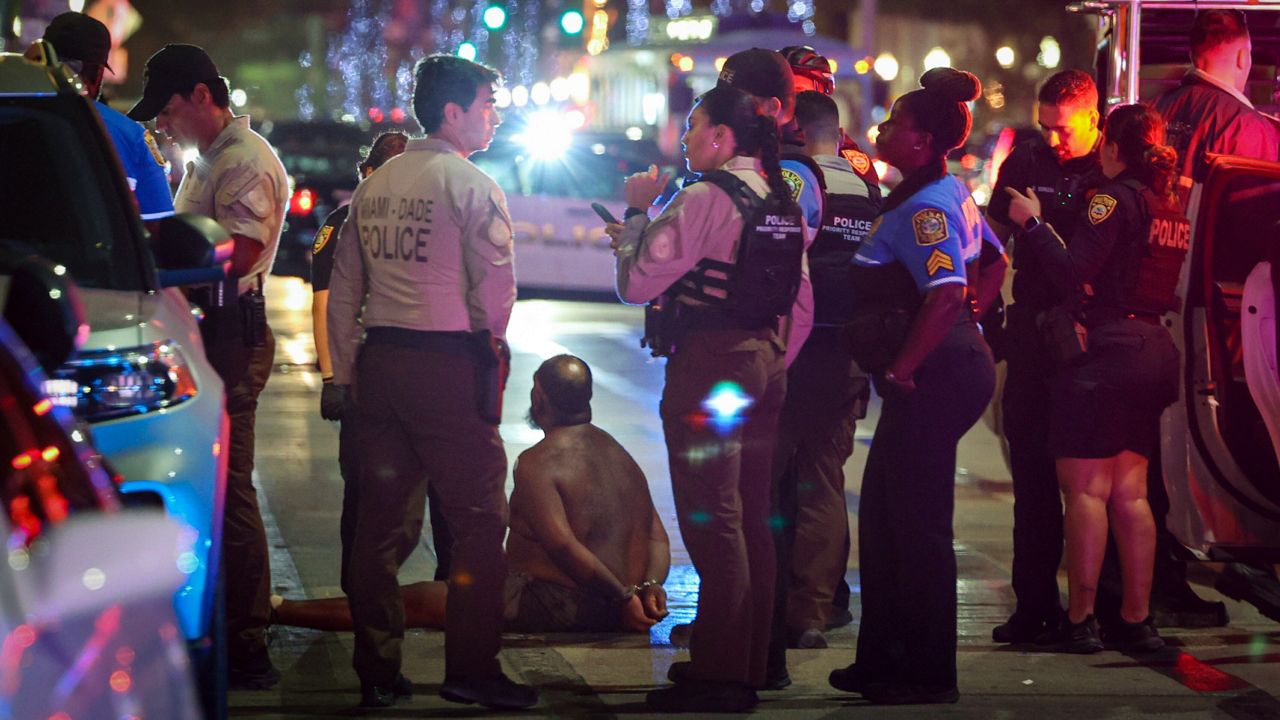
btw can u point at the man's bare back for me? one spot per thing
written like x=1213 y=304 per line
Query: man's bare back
x=605 y=500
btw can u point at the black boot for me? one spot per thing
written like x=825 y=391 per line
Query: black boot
x=1254 y=584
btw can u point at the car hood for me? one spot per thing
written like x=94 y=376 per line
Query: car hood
x=116 y=318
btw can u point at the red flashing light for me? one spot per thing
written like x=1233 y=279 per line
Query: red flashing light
x=397 y=115
x=23 y=461
x=302 y=202
x=375 y=115
x=50 y=453
x=43 y=407
x=121 y=681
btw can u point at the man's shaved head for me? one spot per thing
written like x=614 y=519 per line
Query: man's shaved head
x=565 y=380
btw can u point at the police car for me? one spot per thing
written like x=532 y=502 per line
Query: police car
x=1221 y=440
x=153 y=403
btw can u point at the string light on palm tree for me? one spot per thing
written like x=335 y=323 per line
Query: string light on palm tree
x=637 y=22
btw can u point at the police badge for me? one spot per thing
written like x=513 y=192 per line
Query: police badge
x=930 y=225
x=1100 y=208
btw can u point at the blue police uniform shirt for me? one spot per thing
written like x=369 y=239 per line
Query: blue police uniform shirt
x=804 y=190
x=142 y=162
x=933 y=235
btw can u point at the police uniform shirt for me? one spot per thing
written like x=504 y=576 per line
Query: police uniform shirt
x=934 y=234
x=240 y=183
x=144 y=166
x=701 y=221
x=427 y=245
x=322 y=248
x=1203 y=115
x=805 y=190
x=1113 y=220
x=1063 y=188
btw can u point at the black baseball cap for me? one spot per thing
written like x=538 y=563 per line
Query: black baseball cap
x=759 y=72
x=173 y=70
x=76 y=36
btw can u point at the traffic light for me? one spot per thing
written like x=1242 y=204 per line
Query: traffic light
x=495 y=16
x=572 y=22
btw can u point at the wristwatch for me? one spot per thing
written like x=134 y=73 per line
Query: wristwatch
x=1032 y=223
x=632 y=212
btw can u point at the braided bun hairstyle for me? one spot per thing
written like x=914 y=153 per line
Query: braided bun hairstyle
x=939 y=109
x=755 y=134
x=1137 y=130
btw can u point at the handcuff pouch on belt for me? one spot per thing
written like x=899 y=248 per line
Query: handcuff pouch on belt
x=493 y=367
x=253 y=316
x=885 y=305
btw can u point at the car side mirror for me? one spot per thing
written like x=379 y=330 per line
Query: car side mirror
x=42 y=305
x=191 y=249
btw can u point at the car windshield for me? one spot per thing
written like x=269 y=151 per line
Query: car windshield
x=59 y=196
x=589 y=168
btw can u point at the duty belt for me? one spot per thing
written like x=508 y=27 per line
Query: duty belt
x=694 y=317
x=455 y=342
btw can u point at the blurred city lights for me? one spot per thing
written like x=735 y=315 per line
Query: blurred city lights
x=76 y=6
x=725 y=405
x=873 y=132
x=502 y=97
x=862 y=67
x=375 y=115
x=1050 y=53
x=495 y=16
x=189 y=155
x=834 y=65
x=397 y=115
x=575 y=119
x=634 y=133
x=572 y=22
x=547 y=135
x=467 y=51
x=686 y=63
x=579 y=87
x=540 y=93
x=239 y=97
x=720 y=61
x=560 y=89
x=688 y=29
x=886 y=66
x=936 y=58
x=599 y=41
x=520 y=96
x=652 y=107
x=1005 y=57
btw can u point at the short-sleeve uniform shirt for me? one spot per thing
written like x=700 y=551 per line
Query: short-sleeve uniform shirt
x=144 y=166
x=322 y=248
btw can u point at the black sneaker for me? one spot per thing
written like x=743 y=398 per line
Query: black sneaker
x=497 y=691
x=378 y=696
x=259 y=674
x=839 y=618
x=776 y=678
x=1256 y=586
x=897 y=693
x=1079 y=638
x=849 y=679
x=1132 y=637
x=1018 y=630
x=703 y=696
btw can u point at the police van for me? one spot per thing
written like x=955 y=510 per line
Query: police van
x=1221 y=440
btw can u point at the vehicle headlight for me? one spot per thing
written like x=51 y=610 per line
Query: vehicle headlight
x=102 y=385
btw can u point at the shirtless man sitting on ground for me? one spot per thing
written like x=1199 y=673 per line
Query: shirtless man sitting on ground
x=586 y=552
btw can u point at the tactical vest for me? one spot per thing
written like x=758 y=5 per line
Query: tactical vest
x=762 y=282
x=846 y=222
x=1150 y=267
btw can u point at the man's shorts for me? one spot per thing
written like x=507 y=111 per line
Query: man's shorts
x=540 y=606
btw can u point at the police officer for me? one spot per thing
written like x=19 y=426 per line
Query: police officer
x=1209 y=112
x=1122 y=266
x=826 y=394
x=1062 y=166
x=84 y=44
x=725 y=378
x=424 y=263
x=334 y=404
x=935 y=374
x=813 y=73
x=239 y=182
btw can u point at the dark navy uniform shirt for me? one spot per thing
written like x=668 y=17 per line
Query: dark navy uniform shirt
x=322 y=248
x=1063 y=189
x=1202 y=116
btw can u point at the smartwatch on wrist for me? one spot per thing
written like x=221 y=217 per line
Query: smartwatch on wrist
x=632 y=212
x=1032 y=223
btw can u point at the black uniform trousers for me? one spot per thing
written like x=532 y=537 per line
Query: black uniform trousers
x=906 y=559
x=1037 y=502
x=720 y=478
x=419 y=419
x=349 y=454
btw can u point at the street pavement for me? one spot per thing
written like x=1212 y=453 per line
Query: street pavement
x=1229 y=672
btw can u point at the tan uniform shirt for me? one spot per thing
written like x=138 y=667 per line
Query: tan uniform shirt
x=240 y=183
x=427 y=246
x=701 y=221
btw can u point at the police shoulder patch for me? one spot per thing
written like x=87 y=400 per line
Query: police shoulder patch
x=930 y=225
x=1100 y=208
x=156 y=155
x=794 y=181
x=938 y=261
x=322 y=239
x=858 y=159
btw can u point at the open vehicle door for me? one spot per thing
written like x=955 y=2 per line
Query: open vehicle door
x=1219 y=455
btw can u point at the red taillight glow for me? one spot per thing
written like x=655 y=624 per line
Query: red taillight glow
x=302 y=202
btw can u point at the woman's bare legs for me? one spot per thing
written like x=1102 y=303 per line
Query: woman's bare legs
x=1135 y=533
x=1086 y=487
x=424 y=605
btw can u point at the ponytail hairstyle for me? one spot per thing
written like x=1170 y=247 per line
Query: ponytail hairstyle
x=755 y=133
x=939 y=108
x=1137 y=130
x=386 y=146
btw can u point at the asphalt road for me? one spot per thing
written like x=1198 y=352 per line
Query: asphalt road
x=1229 y=672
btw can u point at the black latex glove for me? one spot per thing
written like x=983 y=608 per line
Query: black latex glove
x=332 y=399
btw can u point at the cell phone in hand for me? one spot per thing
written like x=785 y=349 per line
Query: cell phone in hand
x=604 y=213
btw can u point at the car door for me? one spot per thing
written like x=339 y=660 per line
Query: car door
x=1219 y=457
